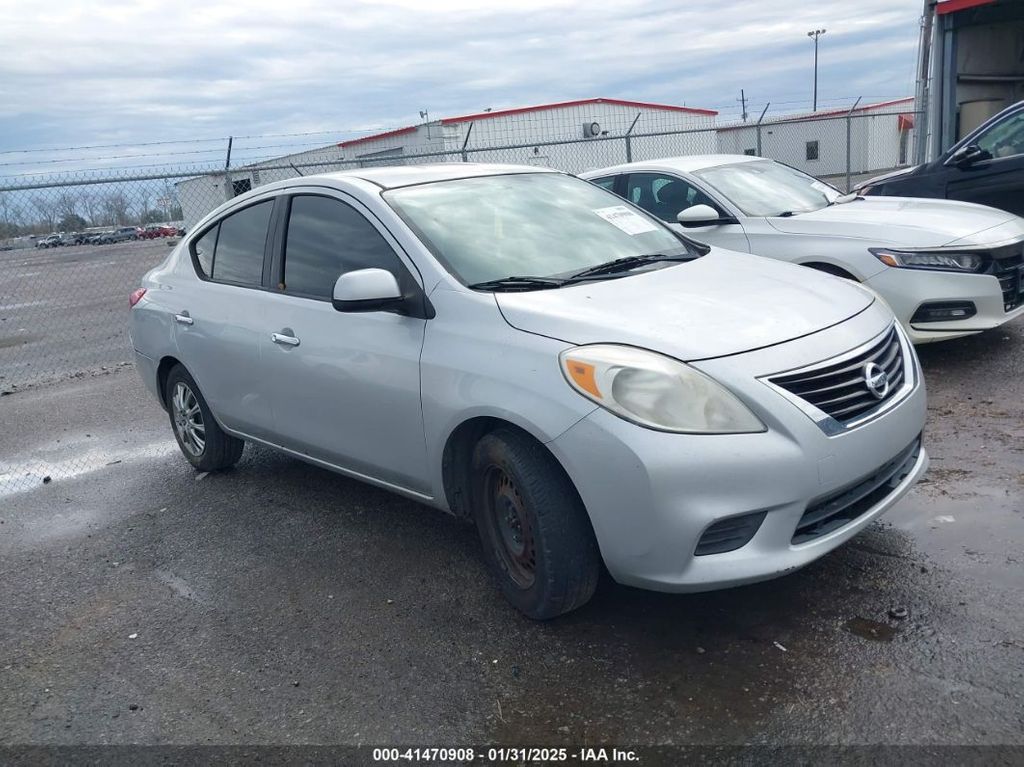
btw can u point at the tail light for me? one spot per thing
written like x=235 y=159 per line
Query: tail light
x=136 y=296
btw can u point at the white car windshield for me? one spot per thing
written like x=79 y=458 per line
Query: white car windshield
x=766 y=188
x=537 y=224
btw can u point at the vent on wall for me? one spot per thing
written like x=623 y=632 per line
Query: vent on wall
x=591 y=130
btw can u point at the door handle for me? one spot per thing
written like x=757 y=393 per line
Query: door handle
x=284 y=340
x=183 y=318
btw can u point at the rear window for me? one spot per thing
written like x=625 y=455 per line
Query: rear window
x=232 y=251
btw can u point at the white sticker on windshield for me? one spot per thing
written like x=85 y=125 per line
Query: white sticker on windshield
x=625 y=219
x=823 y=188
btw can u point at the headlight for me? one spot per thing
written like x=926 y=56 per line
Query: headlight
x=655 y=391
x=950 y=262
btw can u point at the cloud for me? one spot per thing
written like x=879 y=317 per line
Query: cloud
x=108 y=72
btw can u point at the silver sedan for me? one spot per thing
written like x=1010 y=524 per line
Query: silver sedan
x=523 y=349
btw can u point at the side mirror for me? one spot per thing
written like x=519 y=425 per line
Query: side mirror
x=968 y=155
x=699 y=215
x=366 y=290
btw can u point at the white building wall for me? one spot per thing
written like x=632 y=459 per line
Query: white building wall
x=874 y=142
x=532 y=132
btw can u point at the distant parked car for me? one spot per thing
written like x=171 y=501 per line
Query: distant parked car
x=153 y=231
x=985 y=167
x=49 y=241
x=122 y=234
x=74 y=238
x=946 y=268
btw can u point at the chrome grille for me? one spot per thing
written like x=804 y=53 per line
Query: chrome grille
x=840 y=388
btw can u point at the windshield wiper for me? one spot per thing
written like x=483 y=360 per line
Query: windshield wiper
x=626 y=263
x=513 y=283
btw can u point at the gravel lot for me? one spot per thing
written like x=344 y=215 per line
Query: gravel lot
x=279 y=603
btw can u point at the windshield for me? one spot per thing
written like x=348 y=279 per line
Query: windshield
x=527 y=224
x=767 y=188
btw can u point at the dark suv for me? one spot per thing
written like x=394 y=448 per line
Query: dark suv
x=987 y=167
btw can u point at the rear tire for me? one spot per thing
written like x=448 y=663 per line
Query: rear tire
x=535 y=532
x=201 y=440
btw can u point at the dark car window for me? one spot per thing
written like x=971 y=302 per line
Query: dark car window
x=608 y=182
x=1004 y=139
x=664 y=195
x=326 y=238
x=239 y=253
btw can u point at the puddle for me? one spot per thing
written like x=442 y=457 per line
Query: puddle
x=869 y=629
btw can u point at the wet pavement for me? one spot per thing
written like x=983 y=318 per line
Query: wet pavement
x=279 y=603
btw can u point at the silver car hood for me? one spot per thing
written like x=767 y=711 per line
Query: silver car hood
x=902 y=222
x=720 y=304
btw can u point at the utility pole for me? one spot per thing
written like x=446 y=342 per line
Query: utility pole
x=815 y=34
x=743 y=102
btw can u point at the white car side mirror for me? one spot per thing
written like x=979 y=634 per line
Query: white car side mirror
x=366 y=290
x=698 y=215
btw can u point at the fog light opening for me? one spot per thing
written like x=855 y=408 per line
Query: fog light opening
x=944 y=311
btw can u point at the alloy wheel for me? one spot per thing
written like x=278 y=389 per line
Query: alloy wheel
x=188 y=419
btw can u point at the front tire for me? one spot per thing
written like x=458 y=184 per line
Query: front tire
x=535 y=532
x=201 y=440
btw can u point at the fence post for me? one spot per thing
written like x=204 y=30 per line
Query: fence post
x=759 y=119
x=229 y=187
x=849 y=118
x=629 y=140
x=465 y=154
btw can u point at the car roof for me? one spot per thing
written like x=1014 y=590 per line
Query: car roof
x=687 y=164
x=391 y=177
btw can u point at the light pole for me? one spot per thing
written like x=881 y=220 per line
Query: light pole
x=816 y=34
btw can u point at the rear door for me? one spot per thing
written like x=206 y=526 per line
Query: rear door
x=998 y=181
x=219 y=316
x=345 y=385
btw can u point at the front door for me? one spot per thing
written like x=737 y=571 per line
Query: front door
x=664 y=196
x=999 y=180
x=346 y=385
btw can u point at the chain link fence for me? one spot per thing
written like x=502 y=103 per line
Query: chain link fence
x=73 y=245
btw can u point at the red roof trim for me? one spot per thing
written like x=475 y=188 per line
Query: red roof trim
x=375 y=136
x=824 y=113
x=952 y=6
x=524 y=110
x=577 y=102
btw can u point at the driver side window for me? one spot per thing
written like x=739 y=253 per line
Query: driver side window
x=664 y=196
x=1004 y=139
x=326 y=237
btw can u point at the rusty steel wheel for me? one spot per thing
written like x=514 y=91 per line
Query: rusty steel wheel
x=512 y=527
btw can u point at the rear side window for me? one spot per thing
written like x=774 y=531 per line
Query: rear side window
x=238 y=251
x=204 y=251
x=608 y=182
x=326 y=238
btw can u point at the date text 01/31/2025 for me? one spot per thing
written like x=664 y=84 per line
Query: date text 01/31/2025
x=495 y=754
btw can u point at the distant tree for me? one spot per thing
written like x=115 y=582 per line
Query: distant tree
x=152 y=216
x=47 y=210
x=72 y=222
x=115 y=207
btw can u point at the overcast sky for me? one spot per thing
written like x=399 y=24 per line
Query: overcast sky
x=76 y=73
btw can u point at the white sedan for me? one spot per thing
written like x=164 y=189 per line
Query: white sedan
x=946 y=268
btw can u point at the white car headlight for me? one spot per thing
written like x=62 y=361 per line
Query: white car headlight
x=950 y=262
x=655 y=391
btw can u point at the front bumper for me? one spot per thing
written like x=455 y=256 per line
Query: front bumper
x=651 y=495
x=907 y=289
